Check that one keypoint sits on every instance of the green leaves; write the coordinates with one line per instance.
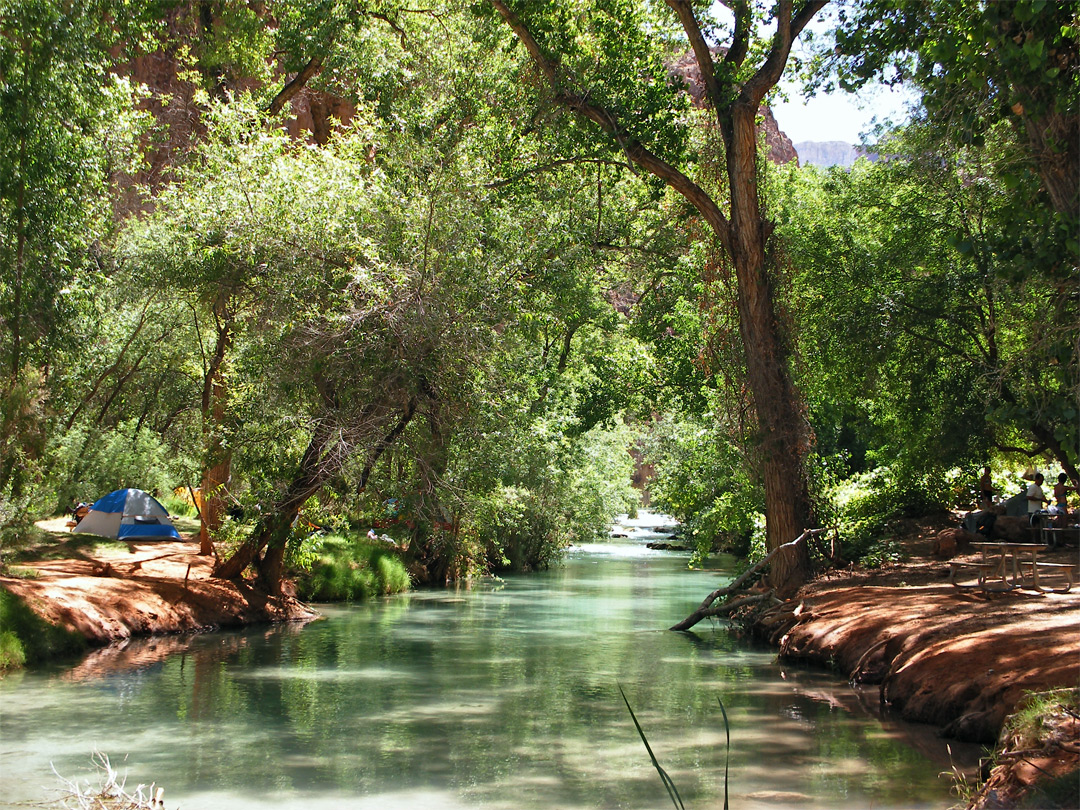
(930, 306)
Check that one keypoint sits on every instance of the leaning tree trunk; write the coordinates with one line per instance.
(780, 419)
(272, 531)
(271, 567)
(783, 441)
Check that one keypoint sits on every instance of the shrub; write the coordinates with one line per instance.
(518, 530)
(16, 526)
(701, 480)
(89, 461)
(869, 503)
(179, 505)
(347, 568)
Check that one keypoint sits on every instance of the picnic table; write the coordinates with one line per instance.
(1005, 562)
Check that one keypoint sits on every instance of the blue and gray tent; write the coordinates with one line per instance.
(127, 514)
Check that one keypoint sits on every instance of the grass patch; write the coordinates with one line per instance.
(1038, 716)
(21, 572)
(186, 524)
(348, 568)
(1043, 723)
(179, 505)
(26, 638)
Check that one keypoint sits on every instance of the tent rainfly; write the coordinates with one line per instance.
(127, 514)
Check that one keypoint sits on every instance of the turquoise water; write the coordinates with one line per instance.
(499, 695)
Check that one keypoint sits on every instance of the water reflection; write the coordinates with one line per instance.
(500, 695)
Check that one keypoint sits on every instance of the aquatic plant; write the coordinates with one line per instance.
(669, 785)
(350, 568)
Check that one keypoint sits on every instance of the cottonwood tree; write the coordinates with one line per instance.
(608, 64)
(66, 126)
(944, 335)
(1001, 80)
(977, 63)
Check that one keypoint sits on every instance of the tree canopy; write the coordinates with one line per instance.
(439, 269)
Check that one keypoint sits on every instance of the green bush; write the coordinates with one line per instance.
(178, 506)
(89, 461)
(702, 481)
(518, 530)
(26, 638)
(349, 568)
(12, 653)
(16, 526)
(868, 504)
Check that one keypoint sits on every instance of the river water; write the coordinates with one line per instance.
(499, 695)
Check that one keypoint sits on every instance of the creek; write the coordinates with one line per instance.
(499, 694)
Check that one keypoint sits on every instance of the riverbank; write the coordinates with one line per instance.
(111, 591)
(960, 660)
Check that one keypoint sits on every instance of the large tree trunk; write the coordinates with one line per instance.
(1055, 142)
(433, 545)
(273, 530)
(744, 236)
(783, 436)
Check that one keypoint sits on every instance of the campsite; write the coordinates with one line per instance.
(126, 514)
(521, 402)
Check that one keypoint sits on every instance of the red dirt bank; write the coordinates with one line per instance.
(152, 587)
(942, 656)
(962, 660)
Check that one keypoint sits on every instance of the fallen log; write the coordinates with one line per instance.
(705, 609)
(723, 610)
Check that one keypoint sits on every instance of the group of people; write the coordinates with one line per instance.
(1036, 497)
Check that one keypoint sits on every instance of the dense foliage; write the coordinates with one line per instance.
(372, 264)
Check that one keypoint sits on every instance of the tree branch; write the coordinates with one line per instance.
(704, 609)
(636, 152)
(291, 88)
(787, 29)
(114, 367)
(740, 40)
(702, 52)
(544, 167)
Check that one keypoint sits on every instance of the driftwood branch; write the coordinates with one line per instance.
(725, 609)
(705, 609)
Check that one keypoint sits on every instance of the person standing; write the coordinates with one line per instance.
(986, 489)
(1035, 496)
(1061, 497)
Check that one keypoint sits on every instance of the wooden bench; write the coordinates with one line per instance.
(983, 568)
(1068, 569)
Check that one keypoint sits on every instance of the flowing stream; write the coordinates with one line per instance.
(499, 695)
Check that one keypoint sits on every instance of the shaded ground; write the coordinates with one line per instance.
(110, 591)
(957, 659)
